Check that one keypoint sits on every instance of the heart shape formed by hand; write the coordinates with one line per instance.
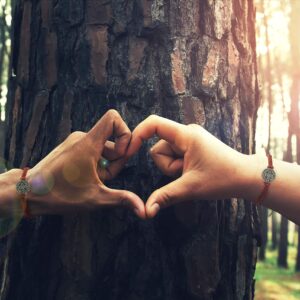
(203, 166)
(76, 177)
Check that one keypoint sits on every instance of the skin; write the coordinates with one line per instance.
(206, 168)
(74, 171)
(203, 168)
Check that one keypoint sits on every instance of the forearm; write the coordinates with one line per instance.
(284, 192)
(9, 199)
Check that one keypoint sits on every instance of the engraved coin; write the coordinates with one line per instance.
(23, 187)
(268, 175)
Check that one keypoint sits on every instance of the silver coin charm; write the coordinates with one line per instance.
(268, 175)
(23, 187)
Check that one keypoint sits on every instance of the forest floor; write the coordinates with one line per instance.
(273, 283)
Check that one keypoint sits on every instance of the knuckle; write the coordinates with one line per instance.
(152, 117)
(193, 126)
(153, 151)
(76, 135)
(165, 198)
(113, 113)
(127, 133)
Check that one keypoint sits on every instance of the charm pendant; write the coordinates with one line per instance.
(268, 175)
(23, 187)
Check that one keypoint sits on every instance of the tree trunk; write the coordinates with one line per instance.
(268, 78)
(283, 243)
(295, 88)
(1, 145)
(274, 231)
(268, 96)
(283, 240)
(298, 252)
(191, 61)
(264, 232)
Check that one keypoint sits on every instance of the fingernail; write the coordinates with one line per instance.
(156, 208)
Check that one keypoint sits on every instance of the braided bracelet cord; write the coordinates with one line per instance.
(268, 176)
(23, 187)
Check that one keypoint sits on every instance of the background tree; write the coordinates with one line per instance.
(4, 38)
(295, 88)
(298, 253)
(274, 61)
(5, 14)
(282, 259)
(266, 94)
(191, 61)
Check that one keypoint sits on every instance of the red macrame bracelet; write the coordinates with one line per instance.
(23, 187)
(268, 176)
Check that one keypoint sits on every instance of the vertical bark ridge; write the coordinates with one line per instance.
(191, 61)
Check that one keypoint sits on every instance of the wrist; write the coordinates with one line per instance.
(250, 183)
(10, 201)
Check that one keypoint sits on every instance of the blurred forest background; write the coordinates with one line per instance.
(277, 129)
(278, 55)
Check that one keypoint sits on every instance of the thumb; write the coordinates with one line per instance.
(177, 191)
(107, 196)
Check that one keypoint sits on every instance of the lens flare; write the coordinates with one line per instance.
(71, 173)
(42, 183)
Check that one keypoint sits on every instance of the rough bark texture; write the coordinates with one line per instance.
(283, 243)
(191, 61)
(274, 231)
(297, 267)
(2, 132)
(2, 162)
(295, 88)
(263, 212)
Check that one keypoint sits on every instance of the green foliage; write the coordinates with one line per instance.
(277, 283)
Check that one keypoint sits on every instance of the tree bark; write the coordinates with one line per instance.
(269, 97)
(191, 61)
(298, 253)
(283, 243)
(274, 231)
(283, 240)
(264, 233)
(295, 88)
(1, 144)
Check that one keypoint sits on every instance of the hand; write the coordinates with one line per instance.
(70, 177)
(208, 168)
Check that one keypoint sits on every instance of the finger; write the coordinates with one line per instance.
(107, 196)
(109, 152)
(113, 169)
(166, 129)
(183, 188)
(166, 158)
(111, 124)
